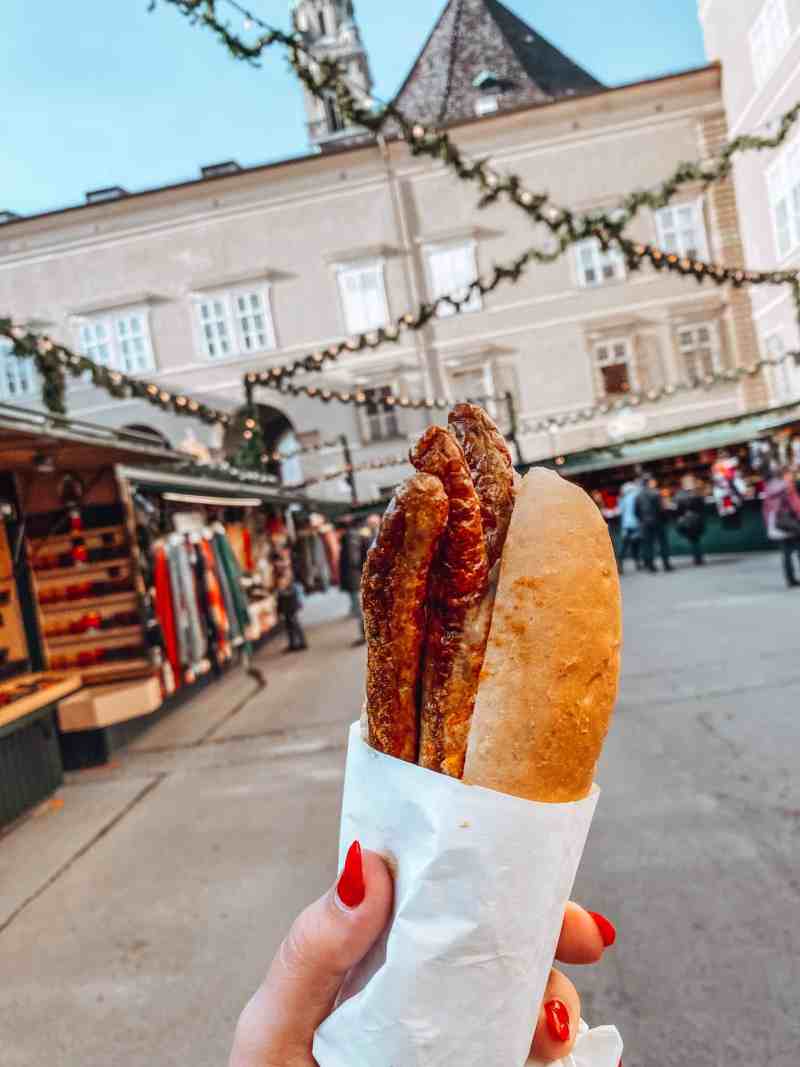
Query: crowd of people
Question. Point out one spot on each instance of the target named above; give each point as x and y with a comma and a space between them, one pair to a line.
642, 512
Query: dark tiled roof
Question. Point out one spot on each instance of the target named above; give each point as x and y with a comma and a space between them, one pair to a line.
481, 42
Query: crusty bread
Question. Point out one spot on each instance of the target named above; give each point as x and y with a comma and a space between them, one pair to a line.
550, 676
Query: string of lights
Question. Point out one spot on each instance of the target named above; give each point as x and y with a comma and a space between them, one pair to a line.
635, 254
278, 456
323, 76
604, 407
353, 468
54, 361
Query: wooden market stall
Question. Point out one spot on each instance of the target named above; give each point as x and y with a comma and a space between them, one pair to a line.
84, 664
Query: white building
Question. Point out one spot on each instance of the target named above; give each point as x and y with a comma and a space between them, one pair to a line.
197, 283
758, 44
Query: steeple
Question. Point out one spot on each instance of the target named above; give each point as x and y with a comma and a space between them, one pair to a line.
330, 31
480, 58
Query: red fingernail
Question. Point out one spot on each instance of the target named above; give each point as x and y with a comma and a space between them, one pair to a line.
606, 928
557, 1020
350, 888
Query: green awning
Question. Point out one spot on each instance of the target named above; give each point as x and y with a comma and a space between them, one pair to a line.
644, 450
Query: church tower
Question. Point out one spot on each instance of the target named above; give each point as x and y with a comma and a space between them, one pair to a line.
330, 31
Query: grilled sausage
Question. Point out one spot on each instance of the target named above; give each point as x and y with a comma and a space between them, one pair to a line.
456, 636
394, 586
492, 471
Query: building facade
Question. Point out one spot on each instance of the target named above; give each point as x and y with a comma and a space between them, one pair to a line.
195, 284
758, 45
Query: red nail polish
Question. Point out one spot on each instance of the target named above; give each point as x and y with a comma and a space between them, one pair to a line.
606, 928
350, 888
557, 1017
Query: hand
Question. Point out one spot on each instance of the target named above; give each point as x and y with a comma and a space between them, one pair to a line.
276, 1028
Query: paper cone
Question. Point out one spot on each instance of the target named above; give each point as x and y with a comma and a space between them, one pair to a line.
481, 880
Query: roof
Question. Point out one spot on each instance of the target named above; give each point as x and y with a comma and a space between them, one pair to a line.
480, 54
70, 444
14, 222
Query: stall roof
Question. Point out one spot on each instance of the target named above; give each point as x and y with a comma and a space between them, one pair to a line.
30, 438
643, 450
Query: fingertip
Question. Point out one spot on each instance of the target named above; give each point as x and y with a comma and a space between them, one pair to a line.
559, 1019
581, 939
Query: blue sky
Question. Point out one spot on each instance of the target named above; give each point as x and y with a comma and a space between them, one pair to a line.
102, 93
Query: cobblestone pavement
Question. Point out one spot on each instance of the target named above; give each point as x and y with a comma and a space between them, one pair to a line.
138, 910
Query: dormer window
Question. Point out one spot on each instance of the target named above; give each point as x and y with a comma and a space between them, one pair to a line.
489, 82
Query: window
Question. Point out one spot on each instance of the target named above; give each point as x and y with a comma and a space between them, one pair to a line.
782, 371
363, 294
769, 36
118, 339
699, 349
133, 344
452, 270
487, 105
19, 380
783, 182
475, 383
235, 323
614, 362
253, 322
681, 230
596, 267
215, 329
380, 418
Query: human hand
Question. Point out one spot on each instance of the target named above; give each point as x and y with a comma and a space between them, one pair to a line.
276, 1028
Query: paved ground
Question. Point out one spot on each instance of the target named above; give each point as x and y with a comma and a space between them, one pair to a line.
136, 918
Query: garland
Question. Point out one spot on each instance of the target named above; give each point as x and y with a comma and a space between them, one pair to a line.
353, 468
323, 75
54, 361
635, 255
607, 407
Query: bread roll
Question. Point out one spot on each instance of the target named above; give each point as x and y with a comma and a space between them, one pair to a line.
550, 676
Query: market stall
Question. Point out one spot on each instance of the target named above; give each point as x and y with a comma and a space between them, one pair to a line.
125, 583
727, 459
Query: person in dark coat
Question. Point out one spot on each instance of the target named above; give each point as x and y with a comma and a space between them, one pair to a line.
652, 515
290, 603
355, 545
691, 511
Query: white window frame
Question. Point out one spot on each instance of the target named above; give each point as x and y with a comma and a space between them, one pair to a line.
607, 267
362, 320
117, 338
768, 38
672, 232
783, 190
784, 376
687, 349
233, 321
458, 375
382, 425
438, 286
610, 344
19, 378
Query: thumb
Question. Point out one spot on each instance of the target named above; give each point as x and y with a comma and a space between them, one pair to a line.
325, 941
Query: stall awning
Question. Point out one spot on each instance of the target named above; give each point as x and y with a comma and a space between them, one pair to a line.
644, 450
215, 490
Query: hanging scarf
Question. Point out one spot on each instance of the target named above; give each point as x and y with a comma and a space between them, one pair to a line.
165, 610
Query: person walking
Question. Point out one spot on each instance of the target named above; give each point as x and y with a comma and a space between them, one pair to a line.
290, 604
652, 515
355, 545
691, 522
781, 510
630, 539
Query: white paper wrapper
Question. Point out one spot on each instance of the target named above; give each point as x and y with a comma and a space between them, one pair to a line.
481, 880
